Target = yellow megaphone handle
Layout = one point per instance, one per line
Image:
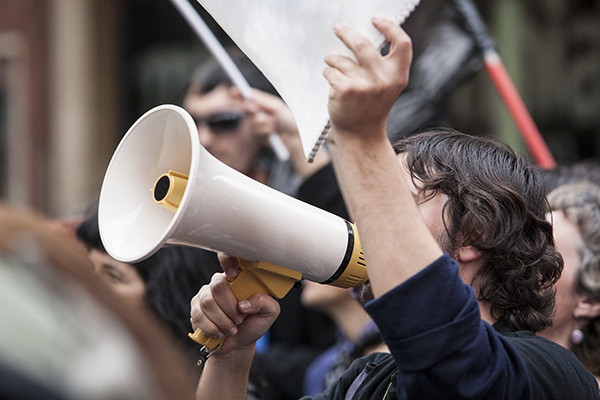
(252, 278)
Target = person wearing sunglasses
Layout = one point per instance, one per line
(235, 130)
(225, 131)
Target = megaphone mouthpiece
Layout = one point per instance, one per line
(169, 189)
(161, 188)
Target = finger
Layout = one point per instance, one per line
(399, 40)
(273, 115)
(236, 93)
(334, 76)
(342, 63)
(226, 302)
(267, 101)
(262, 310)
(214, 309)
(262, 129)
(199, 319)
(259, 303)
(207, 327)
(229, 264)
(363, 49)
(262, 124)
(253, 104)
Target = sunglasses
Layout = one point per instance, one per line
(221, 122)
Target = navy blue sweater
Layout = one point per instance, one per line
(441, 349)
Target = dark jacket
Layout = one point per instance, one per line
(441, 349)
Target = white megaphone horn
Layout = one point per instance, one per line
(163, 188)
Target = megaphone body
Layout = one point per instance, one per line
(218, 208)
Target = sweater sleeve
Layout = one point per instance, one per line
(432, 326)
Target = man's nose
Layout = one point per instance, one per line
(205, 135)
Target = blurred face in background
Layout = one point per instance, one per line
(223, 127)
(569, 243)
(122, 278)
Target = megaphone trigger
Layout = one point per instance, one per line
(254, 277)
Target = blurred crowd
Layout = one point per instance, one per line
(80, 324)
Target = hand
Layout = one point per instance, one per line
(271, 114)
(363, 92)
(216, 311)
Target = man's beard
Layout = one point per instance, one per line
(366, 293)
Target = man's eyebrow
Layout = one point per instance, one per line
(112, 268)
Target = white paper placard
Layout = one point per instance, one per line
(288, 41)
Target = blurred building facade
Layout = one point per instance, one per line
(75, 74)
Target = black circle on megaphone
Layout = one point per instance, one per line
(161, 188)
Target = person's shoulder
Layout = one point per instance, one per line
(533, 348)
(554, 372)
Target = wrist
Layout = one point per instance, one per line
(240, 358)
(362, 141)
(366, 129)
(231, 368)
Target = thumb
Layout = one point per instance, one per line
(229, 264)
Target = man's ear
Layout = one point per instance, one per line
(587, 307)
(467, 254)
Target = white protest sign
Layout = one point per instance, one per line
(288, 41)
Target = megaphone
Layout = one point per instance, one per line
(163, 188)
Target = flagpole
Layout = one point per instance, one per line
(218, 51)
(505, 86)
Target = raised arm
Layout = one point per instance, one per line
(396, 242)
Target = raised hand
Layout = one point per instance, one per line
(271, 114)
(363, 91)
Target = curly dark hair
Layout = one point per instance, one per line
(496, 203)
